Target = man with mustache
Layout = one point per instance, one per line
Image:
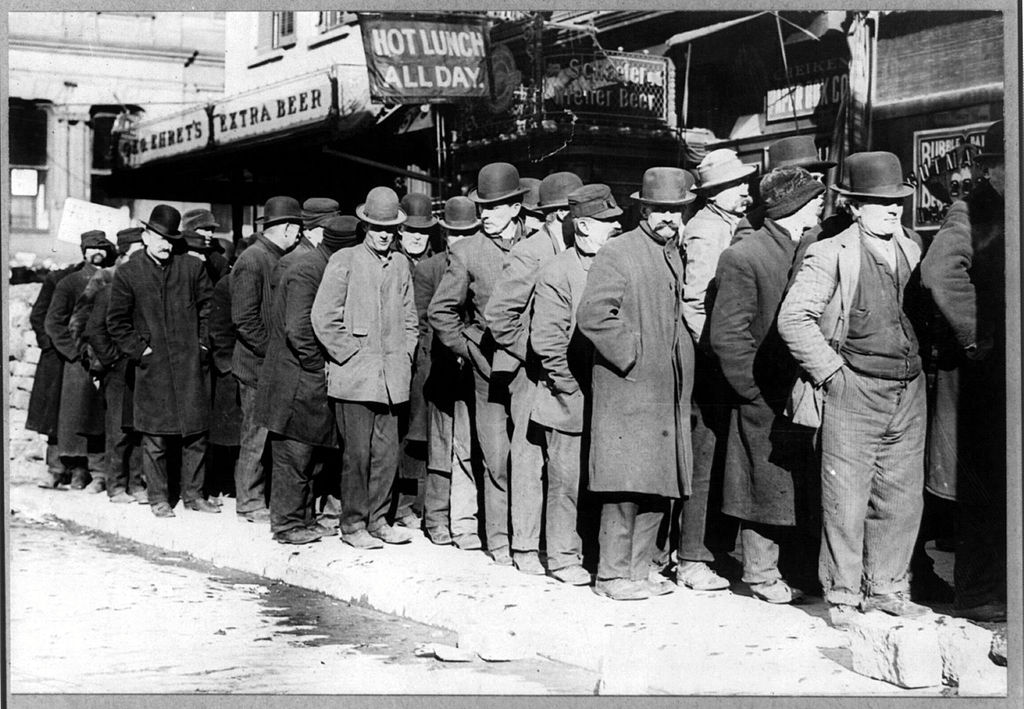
(845, 322)
(80, 418)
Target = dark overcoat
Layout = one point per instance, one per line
(643, 368)
(118, 372)
(768, 457)
(165, 308)
(250, 306)
(44, 402)
(81, 403)
(417, 428)
(226, 405)
(292, 395)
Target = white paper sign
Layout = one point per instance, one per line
(80, 216)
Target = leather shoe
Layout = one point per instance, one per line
(391, 535)
(409, 521)
(97, 485)
(362, 540)
(256, 516)
(699, 576)
(121, 497)
(162, 509)
(468, 542)
(776, 591)
(439, 536)
(141, 496)
(297, 535)
(841, 615)
(79, 479)
(622, 590)
(323, 530)
(657, 585)
(574, 575)
(500, 557)
(894, 604)
(201, 505)
(528, 562)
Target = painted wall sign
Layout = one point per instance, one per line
(933, 154)
(422, 61)
(269, 109)
(166, 136)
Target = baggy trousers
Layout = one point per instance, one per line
(124, 454)
(369, 463)
(291, 496)
(761, 551)
(526, 476)
(250, 475)
(193, 465)
(464, 506)
(872, 484)
(492, 432)
(629, 535)
(563, 543)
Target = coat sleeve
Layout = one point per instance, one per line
(506, 311)
(445, 308)
(96, 335)
(802, 308)
(729, 326)
(204, 302)
(599, 315)
(701, 245)
(120, 318)
(945, 272)
(37, 317)
(424, 286)
(328, 313)
(222, 333)
(411, 316)
(550, 330)
(300, 287)
(247, 305)
(58, 315)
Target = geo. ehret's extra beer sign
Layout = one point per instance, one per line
(165, 136)
(934, 153)
(269, 109)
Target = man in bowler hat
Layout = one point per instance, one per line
(365, 316)
(157, 316)
(457, 316)
(250, 312)
(845, 321)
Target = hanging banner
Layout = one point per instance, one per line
(935, 154)
(269, 109)
(423, 61)
(166, 136)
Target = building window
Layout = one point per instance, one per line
(333, 19)
(282, 29)
(28, 198)
(27, 177)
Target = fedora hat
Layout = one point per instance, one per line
(873, 174)
(198, 219)
(665, 185)
(164, 220)
(317, 211)
(595, 201)
(460, 214)
(497, 182)
(279, 210)
(722, 167)
(797, 151)
(419, 209)
(381, 208)
(993, 142)
(555, 189)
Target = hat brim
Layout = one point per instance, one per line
(282, 220)
(459, 227)
(807, 164)
(690, 196)
(552, 206)
(161, 232)
(474, 195)
(420, 222)
(747, 173)
(361, 214)
(886, 192)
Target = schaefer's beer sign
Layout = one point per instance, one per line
(422, 61)
(934, 153)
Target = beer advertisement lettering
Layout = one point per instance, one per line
(417, 61)
(163, 137)
(935, 154)
(292, 103)
(619, 85)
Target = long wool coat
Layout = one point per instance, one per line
(643, 368)
(165, 308)
(226, 405)
(417, 428)
(365, 316)
(81, 404)
(292, 396)
(768, 458)
(250, 306)
(44, 402)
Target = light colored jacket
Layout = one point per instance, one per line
(705, 237)
(815, 315)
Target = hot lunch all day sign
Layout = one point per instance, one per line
(417, 61)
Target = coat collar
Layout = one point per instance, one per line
(850, 240)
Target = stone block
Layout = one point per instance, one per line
(22, 369)
(18, 399)
(31, 355)
(15, 345)
(22, 383)
(900, 651)
(964, 647)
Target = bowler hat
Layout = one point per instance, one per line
(381, 208)
(873, 174)
(198, 219)
(555, 189)
(460, 214)
(665, 185)
(532, 195)
(595, 201)
(164, 220)
(128, 236)
(497, 182)
(419, 209)
(281, 210)
(797, 151)
(722, 167)
(317, 211)
(95, 239)
(993, 142)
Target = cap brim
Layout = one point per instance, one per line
(473, 195)
(361, 214)
(607, 214)
(900, 192)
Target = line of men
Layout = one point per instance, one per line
(584, 386)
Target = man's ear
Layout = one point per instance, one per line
(517, 209)
(582, 226)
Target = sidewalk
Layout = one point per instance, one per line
(685, 643)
